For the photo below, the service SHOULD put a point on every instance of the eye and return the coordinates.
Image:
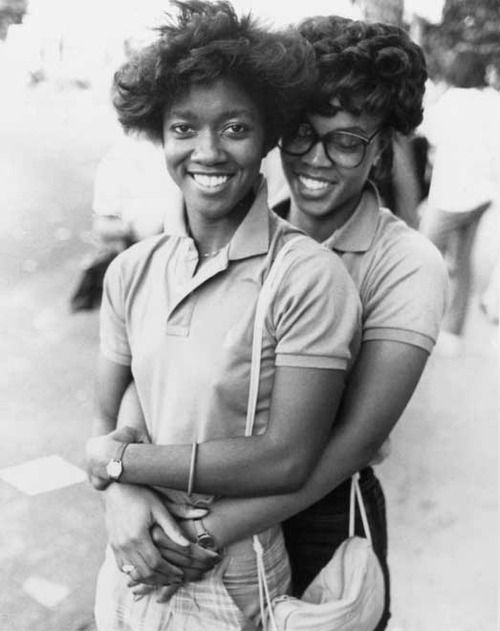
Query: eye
(304, 130)
(236, 130)
(346, 142)
(182, 130)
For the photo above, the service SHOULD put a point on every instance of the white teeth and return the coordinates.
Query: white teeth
(314, 185)
(210, 181)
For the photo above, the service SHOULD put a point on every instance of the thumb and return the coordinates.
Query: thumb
(185, 511)
(169, 526)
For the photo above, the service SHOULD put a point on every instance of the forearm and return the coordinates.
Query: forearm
(380, 386)
(251, 466)
(233, 519)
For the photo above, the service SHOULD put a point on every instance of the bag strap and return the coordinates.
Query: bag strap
(267, 291)
(356, 495)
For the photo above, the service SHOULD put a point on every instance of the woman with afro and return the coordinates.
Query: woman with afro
(369, 86)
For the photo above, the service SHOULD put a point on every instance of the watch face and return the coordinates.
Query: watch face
(114, 469)
(206, 541)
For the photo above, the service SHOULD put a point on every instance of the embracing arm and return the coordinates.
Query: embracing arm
(379, 388)
(111, 382)
(304, 401)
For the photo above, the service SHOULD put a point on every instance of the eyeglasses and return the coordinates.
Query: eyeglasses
(343, 148)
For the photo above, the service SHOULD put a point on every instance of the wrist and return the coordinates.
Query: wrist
(113, 468)
(203, 536)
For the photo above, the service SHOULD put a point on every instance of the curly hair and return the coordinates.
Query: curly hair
(369, 67)
(204, 42)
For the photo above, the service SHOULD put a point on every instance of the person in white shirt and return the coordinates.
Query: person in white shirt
(460, 127)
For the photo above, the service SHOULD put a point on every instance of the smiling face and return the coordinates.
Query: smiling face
(213, 140)
(324, 193)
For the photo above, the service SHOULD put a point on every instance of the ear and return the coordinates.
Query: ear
(382, 164)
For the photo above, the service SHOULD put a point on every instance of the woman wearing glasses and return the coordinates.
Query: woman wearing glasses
(370, 85)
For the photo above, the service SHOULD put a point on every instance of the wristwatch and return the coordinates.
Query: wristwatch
(203, 537)
(114, 468)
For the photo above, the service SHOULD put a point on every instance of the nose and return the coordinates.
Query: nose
(208, 148)
(316, 156)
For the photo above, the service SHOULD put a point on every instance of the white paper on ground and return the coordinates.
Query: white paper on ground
(43, 474)
(45, 592)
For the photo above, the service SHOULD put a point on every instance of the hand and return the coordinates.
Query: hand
(193, 566)
(101, 449)
(131, 512)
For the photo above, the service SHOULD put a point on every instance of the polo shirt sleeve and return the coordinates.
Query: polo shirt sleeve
(404, 295)
(316, 312)
(114, 343)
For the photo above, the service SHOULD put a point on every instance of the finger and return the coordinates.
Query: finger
(165, 593)
(98, 483)
(185, 511)
(190, 562)
(143, 589)
(191, 576)
(149, 565)
(158, 569)
(169, 526)
(161, 538)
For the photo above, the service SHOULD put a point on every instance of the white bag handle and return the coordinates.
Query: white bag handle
(271, 281)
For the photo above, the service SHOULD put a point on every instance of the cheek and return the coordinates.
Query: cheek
(287, 163)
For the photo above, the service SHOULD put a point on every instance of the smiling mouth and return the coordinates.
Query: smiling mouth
(313, 184)
(210, 181)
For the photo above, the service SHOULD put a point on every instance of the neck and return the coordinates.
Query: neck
(212, 236)
(322, 227)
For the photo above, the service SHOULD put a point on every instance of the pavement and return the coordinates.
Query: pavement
(440, 480)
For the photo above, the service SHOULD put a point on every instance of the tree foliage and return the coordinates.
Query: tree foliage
(466, 25)
(11, 12)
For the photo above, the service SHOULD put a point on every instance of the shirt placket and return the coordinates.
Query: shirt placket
(183, 283)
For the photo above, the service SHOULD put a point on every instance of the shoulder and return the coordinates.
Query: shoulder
(399, 248)
(307, 258)
(132, 261)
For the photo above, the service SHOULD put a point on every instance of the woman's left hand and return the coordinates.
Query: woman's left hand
(101, 449)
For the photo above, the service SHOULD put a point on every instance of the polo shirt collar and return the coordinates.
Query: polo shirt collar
(251, 238)
(357, 234)
(252, 235)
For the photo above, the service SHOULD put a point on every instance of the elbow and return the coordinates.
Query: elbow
(291, 473)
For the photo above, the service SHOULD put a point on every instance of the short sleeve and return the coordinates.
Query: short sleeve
(404, 296)
(114, 344)
(317, 312)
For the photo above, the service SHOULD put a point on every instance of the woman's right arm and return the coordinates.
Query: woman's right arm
(379, 388)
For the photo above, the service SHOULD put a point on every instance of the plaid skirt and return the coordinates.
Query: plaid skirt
(227, 599)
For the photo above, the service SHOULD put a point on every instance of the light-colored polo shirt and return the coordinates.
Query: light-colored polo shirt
(400, 275)
(187, 334)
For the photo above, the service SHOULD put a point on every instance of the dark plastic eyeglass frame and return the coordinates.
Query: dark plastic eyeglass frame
(315, 138)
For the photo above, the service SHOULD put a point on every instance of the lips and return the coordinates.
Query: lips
(313, 187)
(313, 184)
(211, 181)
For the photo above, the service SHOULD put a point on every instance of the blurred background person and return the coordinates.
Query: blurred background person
(490, 298)
(462, 186)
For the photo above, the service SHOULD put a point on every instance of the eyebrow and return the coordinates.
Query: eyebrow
(234, 113)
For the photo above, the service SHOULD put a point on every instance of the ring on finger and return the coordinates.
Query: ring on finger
(127, 568)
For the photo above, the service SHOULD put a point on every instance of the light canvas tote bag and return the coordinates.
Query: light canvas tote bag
(348, 593)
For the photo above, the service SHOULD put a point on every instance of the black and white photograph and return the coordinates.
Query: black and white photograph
(249, 323)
